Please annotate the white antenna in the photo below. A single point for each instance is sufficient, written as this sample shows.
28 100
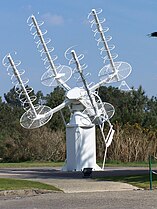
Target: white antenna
82 67
55 74
34 116
114 71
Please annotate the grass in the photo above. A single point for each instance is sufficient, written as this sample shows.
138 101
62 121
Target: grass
60 164
14 184
140 181
31 164
128 164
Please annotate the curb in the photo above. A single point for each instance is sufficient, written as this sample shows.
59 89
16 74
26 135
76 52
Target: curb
26 192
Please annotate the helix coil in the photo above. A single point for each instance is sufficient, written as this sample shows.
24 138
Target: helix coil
38 42
102 44
56 74
112 71
83 67
20 83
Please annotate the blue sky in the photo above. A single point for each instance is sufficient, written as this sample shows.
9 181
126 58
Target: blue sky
66 21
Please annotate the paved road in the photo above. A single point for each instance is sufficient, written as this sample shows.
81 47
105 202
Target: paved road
72 182
99 200
79 192
46 173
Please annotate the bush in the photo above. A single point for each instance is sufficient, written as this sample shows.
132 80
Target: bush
39 144
131 143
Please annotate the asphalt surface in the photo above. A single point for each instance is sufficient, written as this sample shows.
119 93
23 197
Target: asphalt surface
96 200
74 182
78 192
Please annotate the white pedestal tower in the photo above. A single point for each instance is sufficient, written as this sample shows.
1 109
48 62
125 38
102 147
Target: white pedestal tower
80 143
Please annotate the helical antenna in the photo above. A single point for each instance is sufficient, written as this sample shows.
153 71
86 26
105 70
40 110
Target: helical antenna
112 71
55 74
21 86
102 41
72 60
34 115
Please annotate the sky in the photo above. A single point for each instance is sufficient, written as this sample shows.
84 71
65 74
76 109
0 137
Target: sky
67 25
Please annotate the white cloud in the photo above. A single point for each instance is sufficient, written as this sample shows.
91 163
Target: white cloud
53 19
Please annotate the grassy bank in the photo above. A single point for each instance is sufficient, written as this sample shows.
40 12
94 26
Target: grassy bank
60 164
31 164
129 164
15 184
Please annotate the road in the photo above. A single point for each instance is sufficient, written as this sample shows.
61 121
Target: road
97 200
79 192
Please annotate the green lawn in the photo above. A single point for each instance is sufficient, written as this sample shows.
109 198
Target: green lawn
141 181
15 184
60 164
128 164
31 164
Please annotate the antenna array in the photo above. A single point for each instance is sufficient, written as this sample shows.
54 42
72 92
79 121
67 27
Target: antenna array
87 108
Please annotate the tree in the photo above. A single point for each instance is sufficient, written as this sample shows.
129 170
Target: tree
12 98
54 99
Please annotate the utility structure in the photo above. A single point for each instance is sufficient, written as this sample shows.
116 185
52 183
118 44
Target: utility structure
86 107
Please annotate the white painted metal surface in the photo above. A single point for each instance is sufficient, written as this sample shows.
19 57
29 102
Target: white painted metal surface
80 143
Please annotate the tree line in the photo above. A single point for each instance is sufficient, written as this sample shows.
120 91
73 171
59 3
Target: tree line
135 122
